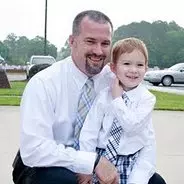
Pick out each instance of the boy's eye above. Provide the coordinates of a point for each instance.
(140, 64)
(126, 63)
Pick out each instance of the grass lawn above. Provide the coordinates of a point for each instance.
(16, 89)
(165, 101)
(12, 96)
(168, 101)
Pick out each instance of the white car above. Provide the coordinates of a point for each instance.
(172, 75)
(38, 63)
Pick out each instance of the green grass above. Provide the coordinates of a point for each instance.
(165, 101)
(13, 95)
(15, 90)
(168, 101)
(14, 101)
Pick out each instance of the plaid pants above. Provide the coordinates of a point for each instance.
(124, 165)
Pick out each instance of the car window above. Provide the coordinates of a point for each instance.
(176, 67)
(43, 61)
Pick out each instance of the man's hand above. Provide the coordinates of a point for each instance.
(84, 179)
(117, 88)
(106, 172)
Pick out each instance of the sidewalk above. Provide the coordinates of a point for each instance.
(169, 127)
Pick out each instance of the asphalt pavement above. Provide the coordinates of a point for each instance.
(169, 126)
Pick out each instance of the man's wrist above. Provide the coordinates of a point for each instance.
(97, 161)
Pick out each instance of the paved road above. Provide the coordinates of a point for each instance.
(169, 126)
(175, 88)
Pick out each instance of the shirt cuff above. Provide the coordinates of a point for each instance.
(118, 102)
(140, 177)
(85, 162)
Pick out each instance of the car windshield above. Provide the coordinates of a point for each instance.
(176, 67)
(43, 61)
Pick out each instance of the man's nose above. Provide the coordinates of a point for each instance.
(98, 50)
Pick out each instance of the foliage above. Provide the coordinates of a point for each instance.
(164, 41)
(64, 52)
(18, 49)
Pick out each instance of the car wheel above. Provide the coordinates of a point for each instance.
(167, 80)
(155, 83)
(37, 68)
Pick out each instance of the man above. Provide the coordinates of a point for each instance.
(49, 108)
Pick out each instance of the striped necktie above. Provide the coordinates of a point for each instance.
(86, 99)
(114, 137)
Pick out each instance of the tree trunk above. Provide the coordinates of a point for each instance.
(4, 83)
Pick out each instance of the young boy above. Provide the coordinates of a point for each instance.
(119, 124)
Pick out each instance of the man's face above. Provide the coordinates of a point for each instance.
(91, 48)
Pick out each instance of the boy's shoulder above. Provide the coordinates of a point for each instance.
(104, 95)
(145, 93)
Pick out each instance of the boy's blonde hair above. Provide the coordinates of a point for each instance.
(127, 45)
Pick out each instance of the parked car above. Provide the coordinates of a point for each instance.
(38, 63)
(172, 75)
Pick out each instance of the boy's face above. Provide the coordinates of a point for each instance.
(130, 69)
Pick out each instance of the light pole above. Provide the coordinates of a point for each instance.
(45, 35)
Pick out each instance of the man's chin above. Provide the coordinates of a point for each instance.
(94, 68)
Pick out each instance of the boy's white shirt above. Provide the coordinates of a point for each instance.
(136, 121)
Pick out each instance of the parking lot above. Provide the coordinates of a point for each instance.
(168, 125)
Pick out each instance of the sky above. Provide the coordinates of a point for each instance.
(26, 17)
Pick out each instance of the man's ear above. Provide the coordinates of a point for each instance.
(113, 67)
(71, 40)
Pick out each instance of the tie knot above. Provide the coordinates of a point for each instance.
(125, 97)
(90, 82)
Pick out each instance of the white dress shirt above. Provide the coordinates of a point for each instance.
(48, 112)
(136, 121)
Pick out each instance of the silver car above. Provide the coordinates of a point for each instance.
(172, 75)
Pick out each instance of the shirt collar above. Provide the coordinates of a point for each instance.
(79, 77)
(134, 93)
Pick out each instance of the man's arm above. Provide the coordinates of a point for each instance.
(38, 147)
(133, 119)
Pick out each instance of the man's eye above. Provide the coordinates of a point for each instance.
(106, 44)
(90, 42)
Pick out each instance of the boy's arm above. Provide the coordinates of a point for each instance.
(145, 165)
(134, 118)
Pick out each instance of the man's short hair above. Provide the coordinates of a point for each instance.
(94, 15)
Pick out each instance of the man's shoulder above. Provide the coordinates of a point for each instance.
(57, 70)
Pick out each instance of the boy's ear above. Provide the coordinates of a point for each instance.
(113, 67)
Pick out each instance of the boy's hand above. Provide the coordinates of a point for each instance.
(106, 172)
(117, 88)
(84, 179)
